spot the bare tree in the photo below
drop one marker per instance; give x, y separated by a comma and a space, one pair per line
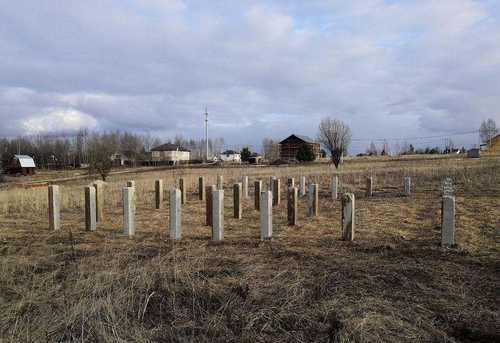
218, 145
449, 146
101, 147
149, 142
270, 149
372, 150
488, 130
335, 136
386, 150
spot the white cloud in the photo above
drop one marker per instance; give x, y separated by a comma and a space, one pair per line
58, 120
416, 67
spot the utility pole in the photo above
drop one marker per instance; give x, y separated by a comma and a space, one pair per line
206, 134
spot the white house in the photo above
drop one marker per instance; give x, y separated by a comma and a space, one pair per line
123, 158
230, 156
171, 153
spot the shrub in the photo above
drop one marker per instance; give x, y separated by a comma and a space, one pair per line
305, 154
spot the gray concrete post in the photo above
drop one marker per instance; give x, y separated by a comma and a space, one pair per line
271, 183
220, 182
237, 187
266, 215
313, 200
158, 193
256, 193
447, 186
292, 197
218, 215
128, 211
131, 183
175, 214
408, 186
54, 207
244, 183
276, 191
369, 186
348, 217
302, 186
90, 209
99, 201
448, 221
335, 187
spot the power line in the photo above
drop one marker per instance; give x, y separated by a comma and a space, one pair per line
414, 138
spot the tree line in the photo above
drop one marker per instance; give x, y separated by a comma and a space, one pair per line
84, 147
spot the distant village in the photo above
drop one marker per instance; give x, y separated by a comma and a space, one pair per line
80, 153
100, 152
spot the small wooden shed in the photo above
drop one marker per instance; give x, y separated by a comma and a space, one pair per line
21, 164
473, 153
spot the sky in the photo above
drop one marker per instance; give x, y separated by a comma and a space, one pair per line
389, 69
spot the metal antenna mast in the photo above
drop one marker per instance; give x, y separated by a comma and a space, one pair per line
206, 133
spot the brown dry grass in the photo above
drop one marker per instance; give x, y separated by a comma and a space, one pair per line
393, 284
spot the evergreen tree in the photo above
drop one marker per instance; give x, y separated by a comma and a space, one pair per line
245, 154
305, 154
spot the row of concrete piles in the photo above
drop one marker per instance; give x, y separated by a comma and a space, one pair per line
264, 201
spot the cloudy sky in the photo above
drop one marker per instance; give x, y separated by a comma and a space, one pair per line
390, 69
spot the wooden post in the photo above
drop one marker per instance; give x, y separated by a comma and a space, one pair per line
201, 188
276, 192
182, 188
99, 201
90, 209
208, 202
256, 193
237, 200
369, 186
348, 217
158, 193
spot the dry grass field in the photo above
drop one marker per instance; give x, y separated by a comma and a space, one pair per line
394, 283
